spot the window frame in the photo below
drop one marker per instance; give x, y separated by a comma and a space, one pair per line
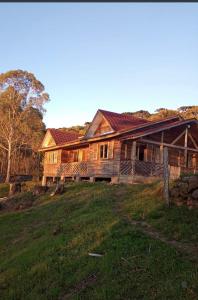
105, 149
52, 157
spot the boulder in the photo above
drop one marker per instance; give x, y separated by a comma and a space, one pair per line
195, 194
183, 189
174, 192
186, 178
192, 183
179, 202
189, 202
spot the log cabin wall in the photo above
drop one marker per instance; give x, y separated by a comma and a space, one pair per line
74, 155
104, 166
98, 164
52, 161
103, 128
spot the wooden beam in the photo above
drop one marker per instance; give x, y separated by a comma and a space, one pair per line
185, 147
168, 145
193, 141
133, 152
161, 148
177, 138
166, 177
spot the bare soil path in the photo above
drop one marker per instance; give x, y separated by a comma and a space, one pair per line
185, 248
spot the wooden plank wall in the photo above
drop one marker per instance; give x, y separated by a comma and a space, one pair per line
104, 167
95, 165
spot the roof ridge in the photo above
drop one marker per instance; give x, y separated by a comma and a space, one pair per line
123, 115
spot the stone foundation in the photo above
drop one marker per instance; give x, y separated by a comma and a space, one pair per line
185, 191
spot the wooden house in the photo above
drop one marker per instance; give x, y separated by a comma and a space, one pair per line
121, 148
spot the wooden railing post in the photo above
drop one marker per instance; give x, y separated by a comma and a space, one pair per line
166, 175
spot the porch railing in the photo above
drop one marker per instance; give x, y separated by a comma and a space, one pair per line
147, 168
72, 168
142, 168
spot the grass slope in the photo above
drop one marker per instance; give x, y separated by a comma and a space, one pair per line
44, 250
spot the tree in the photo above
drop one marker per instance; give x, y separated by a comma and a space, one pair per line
22, 99
162, 113
188, 112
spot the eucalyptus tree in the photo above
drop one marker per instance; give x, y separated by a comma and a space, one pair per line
22, 99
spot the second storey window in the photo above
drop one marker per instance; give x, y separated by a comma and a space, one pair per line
52, 157
104, 151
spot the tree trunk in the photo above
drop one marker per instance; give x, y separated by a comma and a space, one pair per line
9, 164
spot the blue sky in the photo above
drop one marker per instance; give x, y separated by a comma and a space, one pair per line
114, 56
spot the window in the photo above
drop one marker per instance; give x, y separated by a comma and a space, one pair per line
104, 151
75, 156
52, 157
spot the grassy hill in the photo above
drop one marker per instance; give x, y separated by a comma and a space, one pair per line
44, 251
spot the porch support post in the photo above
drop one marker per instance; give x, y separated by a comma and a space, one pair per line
133, 157
194, 162
44, 181
161, 148
166, 177
186, 145
133, 152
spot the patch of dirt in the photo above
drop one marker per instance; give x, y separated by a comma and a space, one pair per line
91, 279
17, 202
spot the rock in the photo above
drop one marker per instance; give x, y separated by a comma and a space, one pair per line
183, 189
186, 179
179, 201
39, 189
14, 188
58, 229
174, 192
195, 194
184, 284
192, 183
189, 202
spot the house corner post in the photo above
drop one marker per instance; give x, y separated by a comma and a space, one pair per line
166, 176
161, 147
44, 180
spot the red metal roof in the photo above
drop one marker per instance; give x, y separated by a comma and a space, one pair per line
122, 121
61, 137
124, 125
159, 127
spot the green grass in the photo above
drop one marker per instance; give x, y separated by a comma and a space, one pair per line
4, 189
36, 263
144, 202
